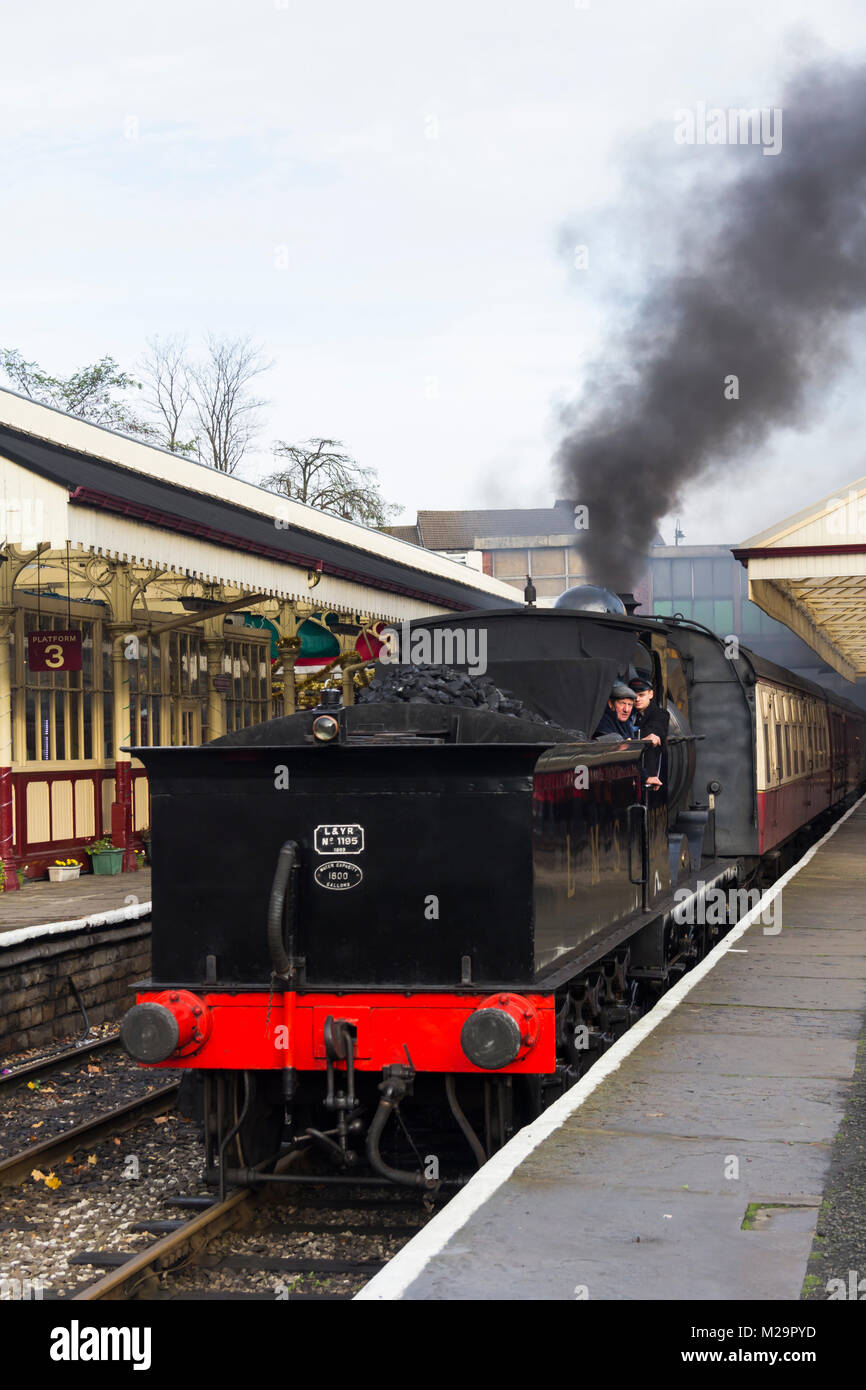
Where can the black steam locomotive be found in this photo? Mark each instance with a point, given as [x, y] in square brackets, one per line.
[447, 902]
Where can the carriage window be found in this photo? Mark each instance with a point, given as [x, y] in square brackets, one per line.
[767, 754]
[787, 750]
[779, 752]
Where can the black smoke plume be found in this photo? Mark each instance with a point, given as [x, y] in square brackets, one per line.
[771, 267]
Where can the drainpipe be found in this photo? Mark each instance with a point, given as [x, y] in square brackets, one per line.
[121, 808]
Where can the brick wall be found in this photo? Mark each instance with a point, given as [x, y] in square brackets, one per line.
[37, 1004]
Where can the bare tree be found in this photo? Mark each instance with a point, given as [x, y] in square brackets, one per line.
[167, 376]
[228, 414]
[321, 474]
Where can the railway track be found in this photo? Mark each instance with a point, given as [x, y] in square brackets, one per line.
[192, 1259]
[105, 1124]
[56, 1061]
[304, 1246]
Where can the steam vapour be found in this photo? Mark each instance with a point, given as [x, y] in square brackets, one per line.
[775, 269]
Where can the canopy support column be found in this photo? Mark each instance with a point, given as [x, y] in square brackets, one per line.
[7, 618]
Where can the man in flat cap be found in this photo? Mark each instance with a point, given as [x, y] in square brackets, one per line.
[617, 719]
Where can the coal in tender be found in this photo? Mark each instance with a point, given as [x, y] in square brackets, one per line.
[443, 685]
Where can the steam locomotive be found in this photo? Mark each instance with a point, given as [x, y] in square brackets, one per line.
[368, 918]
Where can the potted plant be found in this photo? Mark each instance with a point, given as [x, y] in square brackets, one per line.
[20, 874]
[145, 840]
[106, 857]
[64, 869]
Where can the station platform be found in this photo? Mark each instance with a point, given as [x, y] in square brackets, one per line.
[692, 1160]
[83, 901]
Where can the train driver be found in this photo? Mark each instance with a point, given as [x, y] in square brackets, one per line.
[617, 720]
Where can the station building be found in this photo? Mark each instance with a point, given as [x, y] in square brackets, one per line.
[511, 543]
[146, 600]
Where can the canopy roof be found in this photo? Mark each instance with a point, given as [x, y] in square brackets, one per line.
[63, 480]
[809, 572]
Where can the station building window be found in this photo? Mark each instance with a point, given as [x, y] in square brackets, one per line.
[54, 708]
[63, 717]
[551, 568]
[146, 697]
[681, 577]
[662, 586]
[248, 665]
[510, 564]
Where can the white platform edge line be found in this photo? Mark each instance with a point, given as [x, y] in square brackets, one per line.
[97, 919]
[406, 1266]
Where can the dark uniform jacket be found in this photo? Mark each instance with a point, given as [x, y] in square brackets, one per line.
[652, 720]
[611, 725]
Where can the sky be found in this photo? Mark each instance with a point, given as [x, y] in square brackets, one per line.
[387, 197]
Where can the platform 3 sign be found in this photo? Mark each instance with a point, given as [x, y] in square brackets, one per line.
[54, 651]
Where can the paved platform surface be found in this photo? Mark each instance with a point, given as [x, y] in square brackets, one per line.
[40, 903]
[695, 1168]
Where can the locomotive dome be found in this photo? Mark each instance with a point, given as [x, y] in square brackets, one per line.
[590, 598]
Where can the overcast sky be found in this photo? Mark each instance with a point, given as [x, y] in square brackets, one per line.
[385, 195]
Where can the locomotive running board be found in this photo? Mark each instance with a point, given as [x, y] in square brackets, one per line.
[717, 873]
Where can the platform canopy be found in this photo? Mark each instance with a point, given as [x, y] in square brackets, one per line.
[74, 495]
[809, 572]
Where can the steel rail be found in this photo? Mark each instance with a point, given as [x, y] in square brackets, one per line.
[56, 1061]
[143, 1267]
[55, 1150]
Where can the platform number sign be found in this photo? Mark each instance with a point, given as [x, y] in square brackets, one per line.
[54, 651]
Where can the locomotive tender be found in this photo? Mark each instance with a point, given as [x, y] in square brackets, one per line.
[458, 907]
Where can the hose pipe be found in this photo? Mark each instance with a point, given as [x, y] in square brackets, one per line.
[286, 864]
[460, 1116]
[392, 1094]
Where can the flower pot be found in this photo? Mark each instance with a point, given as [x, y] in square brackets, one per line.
[61, 873]
[107, 861]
